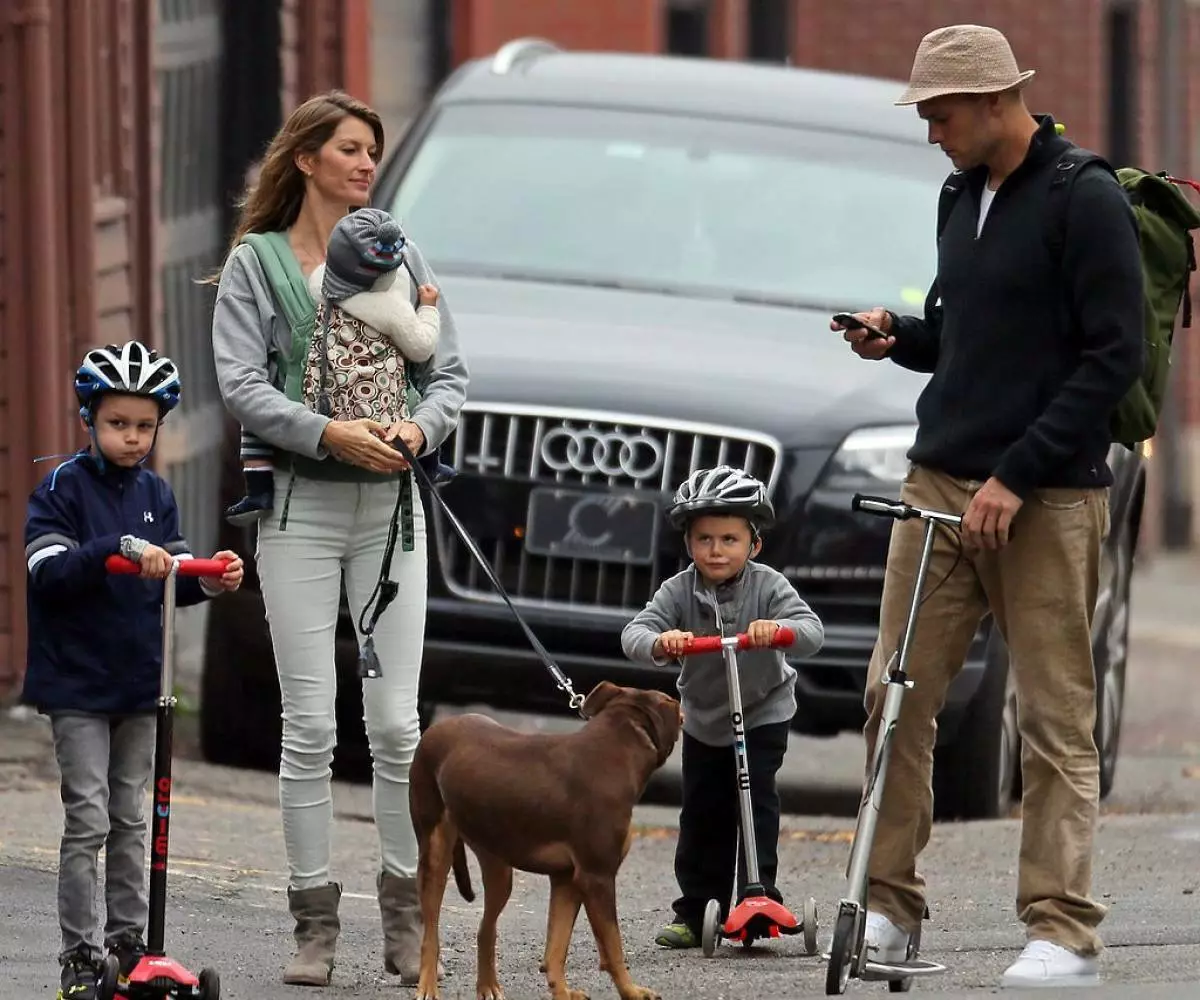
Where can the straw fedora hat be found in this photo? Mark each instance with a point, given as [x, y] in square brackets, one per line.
[963, 59]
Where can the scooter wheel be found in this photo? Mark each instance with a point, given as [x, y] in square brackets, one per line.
[210, 985]
[810, 926]
[841, 954]
[709, 929]
[106, 985]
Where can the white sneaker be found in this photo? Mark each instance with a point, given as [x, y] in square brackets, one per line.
[885, 942]
[1044, 963]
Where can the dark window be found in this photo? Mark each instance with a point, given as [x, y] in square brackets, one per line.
[769, 30]
[439, 53]
[687, 27]
[1122, 84]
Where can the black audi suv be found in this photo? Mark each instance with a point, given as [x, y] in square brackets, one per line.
[642, 254]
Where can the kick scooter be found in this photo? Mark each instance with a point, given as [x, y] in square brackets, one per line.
[156, 976]
[757, 915]
[847, 953]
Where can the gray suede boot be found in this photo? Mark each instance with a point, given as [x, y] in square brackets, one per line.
[317, 926]
[400, 910]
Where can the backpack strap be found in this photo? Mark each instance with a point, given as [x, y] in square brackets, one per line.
[290, 290]
[954, 185]
[1069, 166]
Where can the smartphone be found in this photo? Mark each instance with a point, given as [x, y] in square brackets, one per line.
[854, 323]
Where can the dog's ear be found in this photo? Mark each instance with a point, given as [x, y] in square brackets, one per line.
[670, 719]
[665, 720]
[600, 695]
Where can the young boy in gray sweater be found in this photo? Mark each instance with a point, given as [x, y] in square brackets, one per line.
[722, 512]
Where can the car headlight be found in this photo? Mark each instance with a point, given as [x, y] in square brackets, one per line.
[871, 457]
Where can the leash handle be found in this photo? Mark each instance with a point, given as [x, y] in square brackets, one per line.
[564, 683]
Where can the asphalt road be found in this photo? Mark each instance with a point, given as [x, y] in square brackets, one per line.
[228, 909]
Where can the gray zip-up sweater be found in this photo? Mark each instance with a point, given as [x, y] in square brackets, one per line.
[767, 680]
[250, 340]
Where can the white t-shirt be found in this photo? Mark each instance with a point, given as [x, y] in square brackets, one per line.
[985, 202]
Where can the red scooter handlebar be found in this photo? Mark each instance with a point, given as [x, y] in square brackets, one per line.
[712, 643]
[187, 567]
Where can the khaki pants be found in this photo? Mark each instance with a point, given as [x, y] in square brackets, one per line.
[1041, 589]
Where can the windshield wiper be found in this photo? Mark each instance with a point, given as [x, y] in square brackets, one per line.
[548, 278]
[473, 270]
[758, 299]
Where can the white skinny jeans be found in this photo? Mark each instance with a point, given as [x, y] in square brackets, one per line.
[334, 528]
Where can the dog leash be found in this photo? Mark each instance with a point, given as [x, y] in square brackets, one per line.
[560, 679]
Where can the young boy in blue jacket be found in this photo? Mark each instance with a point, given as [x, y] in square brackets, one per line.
[722, 512]
[95, 645]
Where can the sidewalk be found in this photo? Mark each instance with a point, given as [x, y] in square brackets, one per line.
[1165, 600]
[26, 751]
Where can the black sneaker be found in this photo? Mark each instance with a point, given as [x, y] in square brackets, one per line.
[79, 978]
[249, 509]
[128, 951]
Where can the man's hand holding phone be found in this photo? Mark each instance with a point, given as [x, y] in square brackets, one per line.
[868, 333]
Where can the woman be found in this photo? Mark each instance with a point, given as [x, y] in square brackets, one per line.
[342, 481]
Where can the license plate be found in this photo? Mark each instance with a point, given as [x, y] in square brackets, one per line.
[606, 527]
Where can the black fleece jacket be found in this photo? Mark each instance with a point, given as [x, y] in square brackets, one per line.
[1028, 357]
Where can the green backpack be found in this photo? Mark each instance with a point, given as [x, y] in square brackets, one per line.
[1165, 219]
[290, 288]
[283, 274]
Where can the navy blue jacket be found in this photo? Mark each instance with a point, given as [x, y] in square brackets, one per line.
[95, 639]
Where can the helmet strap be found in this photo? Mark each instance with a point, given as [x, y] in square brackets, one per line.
[97, 454]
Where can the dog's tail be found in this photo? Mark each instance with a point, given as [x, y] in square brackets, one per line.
[462, 874]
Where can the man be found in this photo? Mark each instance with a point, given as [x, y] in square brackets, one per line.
[1028, 359]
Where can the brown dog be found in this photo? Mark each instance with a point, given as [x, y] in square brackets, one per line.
[556, 805]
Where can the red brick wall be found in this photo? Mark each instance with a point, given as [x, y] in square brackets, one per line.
[482, 26]
[881, 39]
[1191, 380]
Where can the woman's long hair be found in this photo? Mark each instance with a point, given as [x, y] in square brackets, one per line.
[272, 201]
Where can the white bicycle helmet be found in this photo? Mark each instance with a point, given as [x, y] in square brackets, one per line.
[133, 369]
[722, 490]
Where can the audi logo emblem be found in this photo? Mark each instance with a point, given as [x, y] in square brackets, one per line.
[607, 453]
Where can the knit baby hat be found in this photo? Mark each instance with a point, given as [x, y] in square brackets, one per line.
[363, 245]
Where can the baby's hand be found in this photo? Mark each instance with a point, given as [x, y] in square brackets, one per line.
[155, 563]
[761, 632]
[428, 295]
[671, 643]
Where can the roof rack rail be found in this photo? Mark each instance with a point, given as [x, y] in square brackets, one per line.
[510, 53]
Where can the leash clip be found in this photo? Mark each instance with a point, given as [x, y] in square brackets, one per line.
[575, 701]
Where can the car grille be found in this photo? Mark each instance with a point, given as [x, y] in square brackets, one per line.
[502, 453]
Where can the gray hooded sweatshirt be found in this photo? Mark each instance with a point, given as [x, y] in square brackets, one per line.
[767, 680]
[250, 341]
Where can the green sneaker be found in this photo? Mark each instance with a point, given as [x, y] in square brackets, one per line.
[79, 978]
[677, 936]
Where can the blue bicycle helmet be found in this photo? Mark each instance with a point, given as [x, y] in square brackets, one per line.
[133, 369]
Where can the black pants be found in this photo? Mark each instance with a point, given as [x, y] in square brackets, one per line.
[710, 821]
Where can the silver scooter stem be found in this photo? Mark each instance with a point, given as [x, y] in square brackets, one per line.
[166, 683]
[896, 682]
[749, 845]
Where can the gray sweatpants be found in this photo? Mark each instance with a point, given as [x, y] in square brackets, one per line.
[105, 763]
[336, 530]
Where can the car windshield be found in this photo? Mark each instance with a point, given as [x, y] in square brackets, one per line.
[683, 204]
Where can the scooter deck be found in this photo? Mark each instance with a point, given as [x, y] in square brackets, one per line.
[879, 971]
[155, 973]
[760, 911]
